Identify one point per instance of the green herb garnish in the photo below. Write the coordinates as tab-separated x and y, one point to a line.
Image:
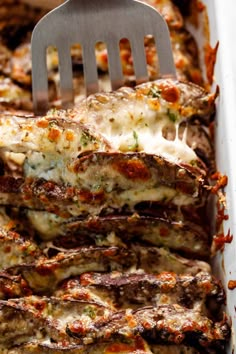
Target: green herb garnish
172	116
90	312
86	138
136	143
154	92
135	135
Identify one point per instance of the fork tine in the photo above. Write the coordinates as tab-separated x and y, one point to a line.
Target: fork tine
164	51
115	68
66	76
139	59
90	68
39	77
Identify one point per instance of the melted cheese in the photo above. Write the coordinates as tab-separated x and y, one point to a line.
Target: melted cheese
123	121
159	194
48	225
137	125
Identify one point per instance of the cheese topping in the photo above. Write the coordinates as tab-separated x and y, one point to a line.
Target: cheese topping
123	121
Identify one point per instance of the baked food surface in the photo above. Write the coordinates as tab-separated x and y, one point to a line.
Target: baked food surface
105	230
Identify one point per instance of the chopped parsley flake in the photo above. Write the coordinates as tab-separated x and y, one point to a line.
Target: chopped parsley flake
135	135
136	143
52	123
90	312
172	116
154	92
96	187
86	138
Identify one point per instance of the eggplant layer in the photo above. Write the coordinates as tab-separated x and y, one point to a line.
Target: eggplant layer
186	237
16	22
15	249
108	180
146	109
44	275
147	259
139	289
165	323
83	322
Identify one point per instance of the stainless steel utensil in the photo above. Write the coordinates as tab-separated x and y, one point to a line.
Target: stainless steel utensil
88	22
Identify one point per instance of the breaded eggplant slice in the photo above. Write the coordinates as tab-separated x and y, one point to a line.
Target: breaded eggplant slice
169	11
47	135
129	119
50	226
16	19
13	96
20	323
133	345
13	287
183	236
138	289
15	249
185	54
57	312
178	101
171	324
44	275
83	322
114	181
45	318
157	260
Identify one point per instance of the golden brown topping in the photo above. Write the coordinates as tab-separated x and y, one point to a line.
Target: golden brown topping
70	135
86	196
133	169
170	92
54	134
42	123
232	284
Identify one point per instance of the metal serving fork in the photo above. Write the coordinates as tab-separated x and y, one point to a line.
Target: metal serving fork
88	22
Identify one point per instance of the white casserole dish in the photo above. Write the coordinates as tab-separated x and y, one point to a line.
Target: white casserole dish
221	20
222	28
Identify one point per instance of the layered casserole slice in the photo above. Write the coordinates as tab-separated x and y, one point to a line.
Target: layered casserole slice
104	188
105	229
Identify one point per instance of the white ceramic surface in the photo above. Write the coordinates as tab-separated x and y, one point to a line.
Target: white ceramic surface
222	16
